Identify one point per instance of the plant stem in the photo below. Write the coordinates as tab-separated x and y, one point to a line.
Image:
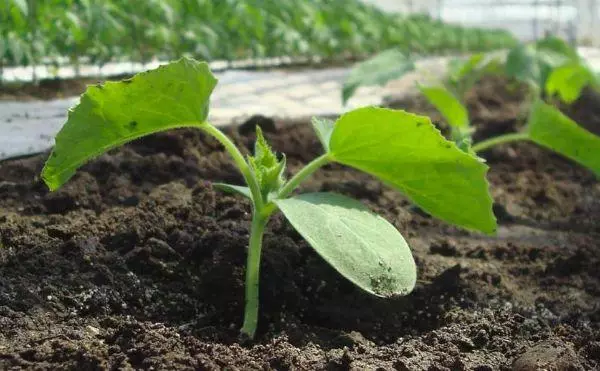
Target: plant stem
239	160
506	138
253	274
260	218
305	172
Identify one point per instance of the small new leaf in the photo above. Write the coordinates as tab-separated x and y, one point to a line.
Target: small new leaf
266	167
463	137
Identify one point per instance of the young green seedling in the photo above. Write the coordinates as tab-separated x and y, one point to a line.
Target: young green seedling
462	76
403	150
550	67
394	63
546	125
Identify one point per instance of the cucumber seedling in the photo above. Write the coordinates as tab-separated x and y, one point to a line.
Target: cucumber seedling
403	150
550	63
548	67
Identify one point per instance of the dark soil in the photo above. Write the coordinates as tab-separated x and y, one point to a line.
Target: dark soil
138	263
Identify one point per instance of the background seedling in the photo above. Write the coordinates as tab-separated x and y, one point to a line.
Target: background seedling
549	63
396	62
404	150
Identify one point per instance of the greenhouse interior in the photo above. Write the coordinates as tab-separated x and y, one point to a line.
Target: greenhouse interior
300	185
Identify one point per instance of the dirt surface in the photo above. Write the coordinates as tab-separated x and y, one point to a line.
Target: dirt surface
138	263
51	88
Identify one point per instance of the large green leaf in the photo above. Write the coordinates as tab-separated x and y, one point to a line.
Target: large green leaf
108	115
450	107
378	70
359	244
569	80
409	153
550	128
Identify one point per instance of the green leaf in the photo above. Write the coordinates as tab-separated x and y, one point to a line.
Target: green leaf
231	188
362	246
550	128
569	80
265	165
108	115
323	128
22	6
523	65
409	153
464	74
454	112
378	70
557	47
16	48
534	63
460	69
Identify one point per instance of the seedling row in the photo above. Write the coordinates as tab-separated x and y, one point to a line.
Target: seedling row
443	176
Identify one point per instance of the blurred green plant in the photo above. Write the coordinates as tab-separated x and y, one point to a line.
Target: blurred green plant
548	67
422	37
98	31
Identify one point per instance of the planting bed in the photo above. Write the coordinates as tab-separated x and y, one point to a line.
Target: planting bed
138	262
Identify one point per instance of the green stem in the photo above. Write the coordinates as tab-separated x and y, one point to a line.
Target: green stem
304	173
253	274
239	160
260	218
506	138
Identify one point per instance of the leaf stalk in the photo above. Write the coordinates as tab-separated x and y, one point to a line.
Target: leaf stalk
257	230
240	162
502	139
304	173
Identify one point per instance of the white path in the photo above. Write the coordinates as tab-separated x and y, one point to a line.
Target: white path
29	127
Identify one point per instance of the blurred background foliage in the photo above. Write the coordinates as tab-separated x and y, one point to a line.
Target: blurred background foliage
56	32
